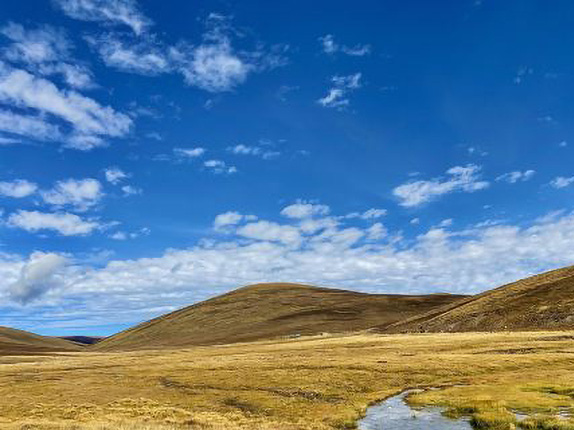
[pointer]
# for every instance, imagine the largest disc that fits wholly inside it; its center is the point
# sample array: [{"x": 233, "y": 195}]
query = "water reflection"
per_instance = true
[{"x": 395, "y": 414}]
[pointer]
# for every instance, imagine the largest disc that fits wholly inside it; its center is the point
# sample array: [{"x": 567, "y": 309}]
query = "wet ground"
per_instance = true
[{"x": 395, "y": 414}]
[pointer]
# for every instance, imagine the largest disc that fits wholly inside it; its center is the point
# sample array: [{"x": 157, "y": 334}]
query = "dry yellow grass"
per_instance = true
[{"x": 317, "y": 383}]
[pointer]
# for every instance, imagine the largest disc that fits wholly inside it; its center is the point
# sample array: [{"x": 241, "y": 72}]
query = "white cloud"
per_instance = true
[
  {"x": 17, "y": 188},
  {"x": 190, "y": 152},
  {"x": 145, "y": 57},
  {"x": 213, "y": 65},
  {"x": 337, "y": 96},
  {"x": 81, "y": 194},
  {"x": 368, "y": 214},
  {"x": 90, "y": 120},
  {"x": 5, "y": 141},
  {"x": 230, "y": 218},
  {"x": 219, "y": 167},
  {"x": 64, "y": 223},
  {"x": 516, "y": 176},
  {"x": 302, "y": 210},
  {"x": 45, "y": 51},
  {"x": 122, "y": 12},
  {"x": 331, "y": 47},
  {"x": 253, "y": 150},
  {"x": 562, "y": 182},
  {"x": 270, "y": 231},
  {"x": 34, "y": 127},
  {"x": 122, "y": 235},
  {"x": 458, "y": 179},
  {"x": 115, "y": 175},
  {"x": 130, "y": 190},
  {"x": 369, "y": 259},
  {"x": 36, "y": 277},
  {"x": 45, "y": 44}
]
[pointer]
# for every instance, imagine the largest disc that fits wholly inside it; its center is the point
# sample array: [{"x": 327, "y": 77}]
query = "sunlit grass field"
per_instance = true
[{"x": 309, "y": 383}]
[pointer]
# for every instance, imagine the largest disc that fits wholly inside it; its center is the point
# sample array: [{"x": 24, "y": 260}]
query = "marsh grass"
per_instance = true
[{"x": 311, "y": 383}]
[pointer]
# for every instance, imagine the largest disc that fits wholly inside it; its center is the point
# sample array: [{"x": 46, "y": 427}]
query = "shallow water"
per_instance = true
[{"x": 395, "y": 414}]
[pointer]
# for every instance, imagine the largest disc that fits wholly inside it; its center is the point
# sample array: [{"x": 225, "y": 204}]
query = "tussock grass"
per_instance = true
[{"x": 311, "y": 383}]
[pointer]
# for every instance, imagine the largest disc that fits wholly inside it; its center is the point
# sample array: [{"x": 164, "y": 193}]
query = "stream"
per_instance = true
[{"x": 395, "y": 414}]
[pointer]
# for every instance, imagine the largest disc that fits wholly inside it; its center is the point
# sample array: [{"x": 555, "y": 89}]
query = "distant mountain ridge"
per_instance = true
[
  {"x": 540, "y": 302},
  {"x": 19, "y": 342},
  {"x": 270, "y": 311},
  {"x": 284, "y": 310}
]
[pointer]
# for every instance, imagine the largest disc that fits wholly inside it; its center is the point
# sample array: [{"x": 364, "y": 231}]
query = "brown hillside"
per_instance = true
[
  {"x": 267, "y": 311},
  {"x": 18, "y": 342},
  {"x": 541, "y": 302}
]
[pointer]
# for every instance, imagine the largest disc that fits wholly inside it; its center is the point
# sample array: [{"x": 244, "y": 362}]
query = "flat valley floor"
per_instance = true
[{"x": 316, "y": 383}]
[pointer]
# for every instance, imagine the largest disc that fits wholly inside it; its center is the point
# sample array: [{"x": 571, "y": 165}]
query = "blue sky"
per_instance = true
[{"x": 156, "y": 155}]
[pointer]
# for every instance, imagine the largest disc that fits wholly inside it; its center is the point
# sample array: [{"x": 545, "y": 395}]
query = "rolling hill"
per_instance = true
[
  {"x": 541, "y": 302},
  {"x": 267, "y": 311},
  {"x": 18, "y": 342}
]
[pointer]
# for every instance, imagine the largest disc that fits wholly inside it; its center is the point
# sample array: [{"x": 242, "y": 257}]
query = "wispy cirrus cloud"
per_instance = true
[
  {"x": 45, "y": 51},
  {"x": 330, "y": 46},
  {"x": 254, "y": 150},
  {"x": 338, "y": 96},
  {"x": 516, "y": 176},
  {"x": 108, "y": 12},
  {"x": 89, "y": 121},
  {"x": 219, "y": 167},
  {"x": 562, "y": 182},
  {"x": 458, "y": 179}
]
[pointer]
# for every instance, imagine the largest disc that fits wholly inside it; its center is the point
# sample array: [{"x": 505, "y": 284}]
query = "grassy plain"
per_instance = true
[{"x": 316, "y": 383}]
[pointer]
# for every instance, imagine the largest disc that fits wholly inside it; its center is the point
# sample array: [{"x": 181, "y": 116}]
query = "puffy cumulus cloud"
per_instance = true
[
  {"x": 337, "y": 96},
  {"x": 213, "y": 65},
  {"x": 89, "y": 121},
  {"x": 330, "y": 46},
  {"x": 365, "y": 258},
  {"x": 111, "y": 12},
  {"x": 115, "y": 175},
  {"x": 254, "y": 150},
  {"x": 17, "y": 188},
  {"x": 230, "y": 218},
  {"x": 219, "y": 167},
  {"x": 46, "y": 51},
  {"x": 303, "y": 209},
  {"x": 80, "y": 194},
  {"x": 562, "y": 182},
  {"x": 459, "y": 179},
  {"x": 516, "y": 176},
  {"x": 66, "y": 224},
  {"x": 37, "y": 277},
  {"x": 270, "y": 231}
]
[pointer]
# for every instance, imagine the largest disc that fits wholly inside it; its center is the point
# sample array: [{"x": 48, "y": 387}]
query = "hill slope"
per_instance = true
[
  {"x": 541, "y": 302},
  {"x": 266, "y": 311},
  {"x": 18, "y": 342}
]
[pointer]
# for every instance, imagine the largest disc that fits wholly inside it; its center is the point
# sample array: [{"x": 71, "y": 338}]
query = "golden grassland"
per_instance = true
[{"x": 316, "y": 383}]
